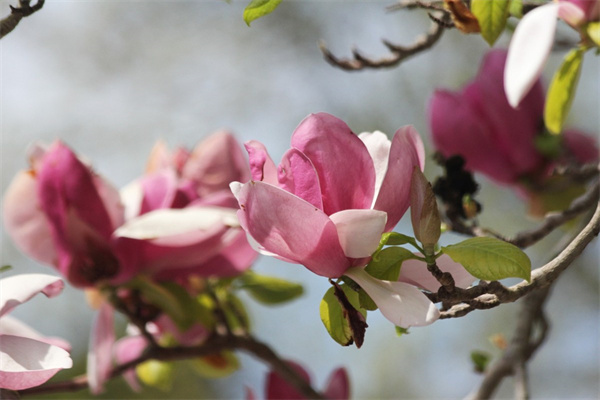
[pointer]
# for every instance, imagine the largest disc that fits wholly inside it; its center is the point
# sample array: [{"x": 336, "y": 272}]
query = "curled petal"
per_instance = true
[
  {"x": 406, "y": 152},
  {"x": 128, "y": 349},
  {"x": 297, "y": 175},
  {"x": 14, "y": 327},
  {"x": 342, "y": 161},
  {"x": 402, "y": 304},
  {"x": 288, "y": 226},
  {"x": 529, "y": 50},
  {"x": 18, "y": 289},
  {"x": 359, "y": 231},
  {"x": 379, "y": 146},
  {"x": 25, "y": 362},
  {"x": 262, "y": 166},
  {"x": 338, "y": 385}
]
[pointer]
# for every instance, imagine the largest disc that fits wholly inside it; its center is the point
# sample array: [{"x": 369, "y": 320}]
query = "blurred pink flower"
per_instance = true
[
  {"x": 337, "y": 386},
  {"x": 533, "y": 39},
  {"x": 181, "y": 216},
  {"x": 332, "y": 196},
  {"x": 27, "y": 358},
  {"x": 495, "y": 139}
]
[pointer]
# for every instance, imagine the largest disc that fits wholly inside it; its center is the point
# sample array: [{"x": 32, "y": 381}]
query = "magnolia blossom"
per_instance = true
[
  {"x": 478, "y": 124},
  {"x": 332, "y": 196},
  {"x": 533, "y": 39},
  {"x": 27, "y": 358},
  {"x": 337, "y": 386},
  {"x": 179, "y": 218}
]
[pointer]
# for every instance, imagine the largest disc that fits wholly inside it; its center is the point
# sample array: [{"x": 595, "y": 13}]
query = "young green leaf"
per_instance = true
[
  {"x": 386, "y": 264},
  {"x": 157, "y": 374},
  {"x": 516, "y": 8},
  {"x": 162, "y": 298},
  {"x": 270, "y": 290},
  {"x": 259, "y": 8},
  {"x": 490, "y": 259},
  {"x": 480, "y": 360},
  {"x": 5, "y": 268},
  {"x": 401, "y": 331},
  {"x": 334, "y": 315},
  {"x": 492, "y": 15},
  {"x": 562, "y": 91},
  {"x": 396, "y": 239}
]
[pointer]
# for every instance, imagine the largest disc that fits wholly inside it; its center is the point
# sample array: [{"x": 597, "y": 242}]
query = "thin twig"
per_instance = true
[
  {"x": 25, "y": 9},
  {"x": 412, "y": 4},
  {"x": 399, "y": 53}
]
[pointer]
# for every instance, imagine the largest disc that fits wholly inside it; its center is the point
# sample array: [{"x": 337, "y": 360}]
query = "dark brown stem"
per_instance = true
[{"x": 25, "y": 9}]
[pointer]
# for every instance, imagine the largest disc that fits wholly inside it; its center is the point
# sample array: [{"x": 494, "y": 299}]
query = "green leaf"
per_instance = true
[
  {"x": 593, "y": 31},
  {"x": 401, "y": 331},
  {"x": 480, "y": 360},
  {"x": 157, "y": 374},
  {"x": 385, "y": 265},
  {"x": 516, "y": 8},
  {"x": 194, "y": 310},
  {"x": 5, "y": 268},
  {"x": 491, "y": 15},
  {"x": 490, "y": 259},
  {"x": 334, "y": 316},
  {"x": 562, "y": 91},
  {"x": 365, "y": 301},
  {"x": 396, "y": 239},
  {"x": 259, "y": 8},
  {"x": 217, "y": 365},
  {"x": 270, "y": 290}
]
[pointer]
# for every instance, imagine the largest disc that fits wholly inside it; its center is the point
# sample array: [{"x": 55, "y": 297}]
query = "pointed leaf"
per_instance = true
[
  {"x": 492, "y": 15},
  {"x": 385, "y": 265},
  {"x": 268, "y": 289},
  {"x": 562, "y": 91},
  {"x": 490, "y": 259},
  {"x": 333, "y": 315},
  {"x": 259, "y": 8}
]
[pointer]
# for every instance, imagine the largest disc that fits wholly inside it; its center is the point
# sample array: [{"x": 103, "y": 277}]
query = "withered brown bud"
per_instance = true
[{"x": 424, "y": 212}]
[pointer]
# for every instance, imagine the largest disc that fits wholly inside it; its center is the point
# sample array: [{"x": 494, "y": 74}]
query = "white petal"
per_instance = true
[
  {"x": 528, "y": 51},
  {"x": 415, "y": 272},
  {"x": 18, "y": 289},
  {"x": 131, "y": 197},
  {"x": 402, "y": 304},
  {"x": 26, "y": 362},
  {"x": 12, "y": 326},
  {"x": 169, "y": 222},
  {"x": 359, "y": 231},
  {"x": 378, "y": 146}
]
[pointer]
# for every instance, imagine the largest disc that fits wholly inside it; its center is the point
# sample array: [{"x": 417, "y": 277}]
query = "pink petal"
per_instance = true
[
  {"x": 128, "y": 349},
  {"x": 529, "y": 49},
  {"x": 215, "y": 162},
  {"x": 359, "y": 231},
  {"x": 406, "y": 152},
  {"x": 159, "y": 158},
  {"x": 338, "y": 385},
  {"x": 262, "y": 166},
  {"x": 342, "y": 161},
  {"x": 298, "y": 176},
  {"x": 26, "y": 362},
  {"x": 14, "y": 327},
  {"x": 575, "y": 12},
  {"x": 159, "y": 190},
  {"x": 415, "y": 273},
  {"x": 279, "y": 388},
  {"x": 582, "y": 147},
  {"x": 290, "y": 227},
  {"x": 25, "y": 222},
  {"x": 402, "y": 304},
  {"x": 378, "y": 146},
  {"x": 99, "y": 359},
  {"x": 18, "y": 289}
]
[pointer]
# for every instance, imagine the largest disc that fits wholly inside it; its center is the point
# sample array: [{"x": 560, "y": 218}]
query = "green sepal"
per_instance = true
[
  {"x": 490, "y": 259},
  {"x": 334, "y": 315},
  {"x": 218, "y": 365},
  {"x": 268, "y": 289},
  {"x": 562, "y": 91},
  {"x": 491, "y": 15},
  {"x": 400, "y": 331},
  {"x": 259, "y": 8},
  {"x": 385, "y": 265},
  {"x": 158, "y": 374}
]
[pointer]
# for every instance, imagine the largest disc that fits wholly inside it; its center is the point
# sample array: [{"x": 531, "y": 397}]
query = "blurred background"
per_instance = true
[{"x": 111, "y": 77}]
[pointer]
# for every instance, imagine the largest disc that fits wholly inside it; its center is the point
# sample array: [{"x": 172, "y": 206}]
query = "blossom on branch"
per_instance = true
[
  {"x": 27, "y": 358},
  {"x": 332, "y": 196}
]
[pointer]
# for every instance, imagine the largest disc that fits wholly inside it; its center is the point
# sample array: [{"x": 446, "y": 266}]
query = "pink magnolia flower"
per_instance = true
[
  {"x": 495, "y": 139},
  {"x": 332, "y": 196},
  {"x": 533, "y": 39},
  {"x": 337, "y": 386},
  {"x": 27, "y": 358},
  {"x": 61, "y": 213}
]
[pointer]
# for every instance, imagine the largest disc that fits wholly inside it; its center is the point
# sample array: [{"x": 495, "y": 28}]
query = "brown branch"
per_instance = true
[
  {"x": 25, "y": 9},
  {"x": 212, "y": 345},
  {"x": 412, "y": 4},
  {"x": 399, "y": 53},
  {"x": 496, "y": 294}
]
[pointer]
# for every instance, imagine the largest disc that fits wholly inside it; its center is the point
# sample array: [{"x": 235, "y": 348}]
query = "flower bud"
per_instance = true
[{"x": 424, "y": 212}]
